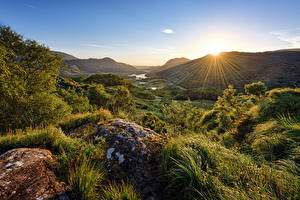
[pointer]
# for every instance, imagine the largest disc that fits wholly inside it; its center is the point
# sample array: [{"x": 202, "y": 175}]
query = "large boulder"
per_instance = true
[
  {"x": 132, "y": 154},
  {"x": 26, "y": 174}
]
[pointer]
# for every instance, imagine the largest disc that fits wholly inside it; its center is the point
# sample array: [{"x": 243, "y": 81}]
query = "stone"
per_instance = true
[
  {"x": 132, "y": 154},
  {"x": 25, "y": 173}
]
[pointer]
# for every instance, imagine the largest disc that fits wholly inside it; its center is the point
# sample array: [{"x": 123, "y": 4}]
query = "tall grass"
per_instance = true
[
  {"x": 74, "y": 121},
  {"x": 123, "y": 191},
  {"x": 197, "y": 168},
  {"x": 84, "y": 178}
]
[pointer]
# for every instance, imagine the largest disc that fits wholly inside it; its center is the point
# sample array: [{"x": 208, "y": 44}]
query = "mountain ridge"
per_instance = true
[
  {"x": 89, "y": 66},
  {"x": 275, "y": 68}
]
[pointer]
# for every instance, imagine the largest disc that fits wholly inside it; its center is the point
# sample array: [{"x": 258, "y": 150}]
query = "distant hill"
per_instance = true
[
  {"x": 64, "y": 55},
  {"x": 171, "y": 63},
  {"x": 275, "y": 68},
  {"x": 86, "y": 67}
]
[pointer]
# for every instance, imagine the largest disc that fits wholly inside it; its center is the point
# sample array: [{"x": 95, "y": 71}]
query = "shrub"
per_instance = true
[
  {"x": 98, "y": 96},
  {"x": 142, "y": 93},
  {"x": 182, "y": 116},
  {"x": 122, "y": 101},
  {"x": 123, "y": 191},
  {"x": 77, "y": 100},
  {"x": 149, "y": 120},
  {"x": 107, "y": 80},
  {"x": 257, "y": 89}
]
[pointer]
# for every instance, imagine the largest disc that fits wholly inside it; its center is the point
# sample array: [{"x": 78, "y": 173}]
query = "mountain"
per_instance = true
[
  {"x": 275, "y": 68},
  {"x": 86, "y": 67},
  {"x": 171, "y": 63},
  {"x": 64, "y": 55}
]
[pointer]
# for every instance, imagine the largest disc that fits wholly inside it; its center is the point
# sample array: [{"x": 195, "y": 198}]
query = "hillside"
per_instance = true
[
  {"x": 86, "y": 67},
  {"x": 275, "y": 68},
  {"x": 64, "y": 55},
  {"x": 172, "y": 63}
]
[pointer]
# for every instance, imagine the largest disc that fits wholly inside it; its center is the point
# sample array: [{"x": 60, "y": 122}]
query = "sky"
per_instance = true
[{"x": 149, "y": 32}]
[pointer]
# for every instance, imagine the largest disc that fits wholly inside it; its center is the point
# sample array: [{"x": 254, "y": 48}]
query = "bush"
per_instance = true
[
  {"x": 182, "y": 116},
  {"x": 122, "y": 101},
  {"x": 77, "y": 100},
  {"x": 98, "y": 96},
  {"x": 149, "y": 120},
  {"x": 107, "y": 80},
  {"x": 257, "y": 89},
  {"x": 142, "y": 93}
]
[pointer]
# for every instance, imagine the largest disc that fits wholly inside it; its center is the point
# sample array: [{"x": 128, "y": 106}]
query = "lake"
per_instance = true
[{"x": 138, "y": 76}]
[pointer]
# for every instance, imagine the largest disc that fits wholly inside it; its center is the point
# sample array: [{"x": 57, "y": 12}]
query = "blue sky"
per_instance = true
[{"x": 149, "y": 32}]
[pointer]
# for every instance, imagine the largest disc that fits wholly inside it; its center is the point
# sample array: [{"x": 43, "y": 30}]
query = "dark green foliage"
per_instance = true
[
  {"x": 142, "y": 93},
  {"x": 78, "y": 101},
  {"x": 27, "y": 83},
  {"x": 98, "y": 96},
  {"x": 149, "y": 120},
  {"x": 257, "y": 89},
  {"x": 196, "y": 94},
  {"x": 122, "y": 101},
  {"x": 182, "y": 116},
  {"x": 107, "y": 80}
]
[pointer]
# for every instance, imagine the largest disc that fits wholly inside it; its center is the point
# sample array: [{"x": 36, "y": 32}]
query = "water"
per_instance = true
[{"x": 138, "y": 76}]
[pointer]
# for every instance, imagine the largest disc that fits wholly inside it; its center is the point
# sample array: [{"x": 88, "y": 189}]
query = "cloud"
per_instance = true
[
  {"x": 290, "y": 36},
  {"x": 168, "y": 31}
]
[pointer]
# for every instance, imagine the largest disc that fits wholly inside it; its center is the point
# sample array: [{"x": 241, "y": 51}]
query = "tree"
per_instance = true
[
  {"x": 122, "y": 101},
  {"x": 98, "y": 96},
  {"x": 77, "y": 100},
  {"x": 257, "y": 89},
  {"x": 27, "y": 82}
]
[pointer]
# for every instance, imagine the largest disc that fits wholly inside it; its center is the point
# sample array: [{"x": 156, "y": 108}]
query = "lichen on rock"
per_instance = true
[
  {"x": 132, "y": 154},
  {"x": 26, "y": 174}
]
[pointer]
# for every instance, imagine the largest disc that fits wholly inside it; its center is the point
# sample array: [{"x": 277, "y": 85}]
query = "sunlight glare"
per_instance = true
[{"x": 215, "y": 49}]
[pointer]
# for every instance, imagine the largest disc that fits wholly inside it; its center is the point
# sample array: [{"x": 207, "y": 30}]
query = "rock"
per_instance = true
[
  {"x": 132, "y": 154},
  {"x": 26, "y": 174}
]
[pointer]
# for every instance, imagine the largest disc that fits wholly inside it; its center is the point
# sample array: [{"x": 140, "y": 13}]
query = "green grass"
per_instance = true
[
  {"x": 196, "y": 168},
  {"x": 66, "y": 150},
  {"x": 123, "y": 191},
  {"x": 76, "y": 120},
  {"x": 83, "y": 178}
]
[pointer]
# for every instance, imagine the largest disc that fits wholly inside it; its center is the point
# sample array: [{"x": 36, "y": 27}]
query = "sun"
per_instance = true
[{"x": 215, "y": 49}]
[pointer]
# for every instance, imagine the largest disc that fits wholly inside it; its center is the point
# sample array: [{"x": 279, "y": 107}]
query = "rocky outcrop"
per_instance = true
[
  {"x": 132, "y": 154},
  {"x": 26, "y": 174}
]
